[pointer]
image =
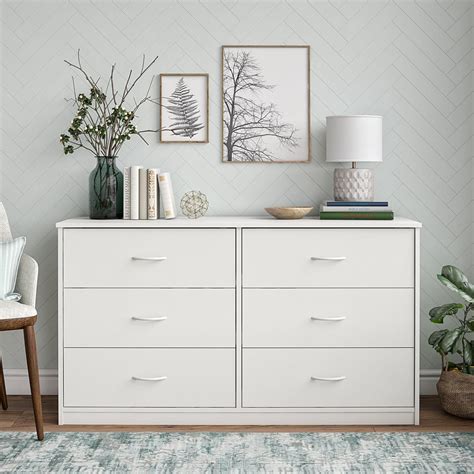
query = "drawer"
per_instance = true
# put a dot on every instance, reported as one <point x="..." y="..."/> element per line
<point x="171" y="257"/>
<point x="133" y="317"/>
<point x="328" y="317"/>
<point x="328" y="258"/>
<point x="283" y="378"/>
<point x="185" y="378"/>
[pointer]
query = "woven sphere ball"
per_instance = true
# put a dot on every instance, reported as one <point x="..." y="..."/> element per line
<point x="194" y="204"/>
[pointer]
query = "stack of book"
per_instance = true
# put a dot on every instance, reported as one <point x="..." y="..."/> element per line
<point x="142" y="189"/>
<point x="364" y="210"/>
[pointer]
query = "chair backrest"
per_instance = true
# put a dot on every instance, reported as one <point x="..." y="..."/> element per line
<point x="5" y="233"/>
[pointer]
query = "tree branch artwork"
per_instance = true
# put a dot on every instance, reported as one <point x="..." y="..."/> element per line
<point x="103" y="122"/>
<point x="251" y="125"/>
<point x="184" y="112"/>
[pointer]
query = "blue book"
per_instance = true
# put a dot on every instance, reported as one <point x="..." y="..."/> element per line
<point x="357" y="203"/>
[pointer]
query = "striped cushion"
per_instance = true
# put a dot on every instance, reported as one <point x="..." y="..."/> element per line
<point x="10" y="255"/>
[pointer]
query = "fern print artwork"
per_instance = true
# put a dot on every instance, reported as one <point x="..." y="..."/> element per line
<point x="265" y="106"/>
<point x="184" y="108"/>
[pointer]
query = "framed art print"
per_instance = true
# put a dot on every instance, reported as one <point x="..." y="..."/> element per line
<point x="266" y="104"/>
<point x="184" y="100"/>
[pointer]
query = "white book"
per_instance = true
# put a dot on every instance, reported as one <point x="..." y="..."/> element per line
<point x="167" y="196"/>
<point x="355" y="208"/>
<point x="143" y="193"/>
<point x="153" y="194"/>
<point x="126" y="192"/>
<point x="134" y="192"/>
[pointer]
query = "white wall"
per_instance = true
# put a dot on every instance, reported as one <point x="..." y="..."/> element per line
<point x="410" y="62"/>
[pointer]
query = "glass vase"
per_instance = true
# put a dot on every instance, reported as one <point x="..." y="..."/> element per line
<point x="106" y="190"/>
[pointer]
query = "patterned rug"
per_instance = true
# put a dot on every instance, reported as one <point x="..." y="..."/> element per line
<point x="238" y="452"/>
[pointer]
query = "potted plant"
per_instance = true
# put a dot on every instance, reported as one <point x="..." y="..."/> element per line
<point x="456" y="384"/>
<point x="101" y="125"/>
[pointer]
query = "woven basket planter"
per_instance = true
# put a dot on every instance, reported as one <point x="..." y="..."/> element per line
<point x="456" y="393"/>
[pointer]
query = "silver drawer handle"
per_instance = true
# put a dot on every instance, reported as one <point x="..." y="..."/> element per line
<point x="150" y="259"/>
<point x="328" y="379"/>
<point x="149" y="379"/>
<point x="139" y="318"/>
<point x="329" y="259"/>
<point x="317" y="318"/>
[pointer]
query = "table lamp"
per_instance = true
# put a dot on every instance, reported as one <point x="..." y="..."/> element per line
<point x="353" y="138"/>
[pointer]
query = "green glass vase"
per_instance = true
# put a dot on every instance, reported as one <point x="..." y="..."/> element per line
<point x="106" y="190"/>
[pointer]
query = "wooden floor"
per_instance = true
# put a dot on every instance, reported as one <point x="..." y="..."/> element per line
<point x="19" y="417"/>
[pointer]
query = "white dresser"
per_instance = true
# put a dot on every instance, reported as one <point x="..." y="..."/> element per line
<point x="231" y="320"/>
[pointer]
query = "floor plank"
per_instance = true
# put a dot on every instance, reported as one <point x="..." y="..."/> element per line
<point x="19" y="417"/>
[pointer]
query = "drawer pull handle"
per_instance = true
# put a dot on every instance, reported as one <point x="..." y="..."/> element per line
<point x="139" y="318"/>
<point x="329" y="259"/>
<point x="150" y="379"/>
<point x="317" y="318"/>
<point x="328" y="379"/>
<point x="150" y="259"/>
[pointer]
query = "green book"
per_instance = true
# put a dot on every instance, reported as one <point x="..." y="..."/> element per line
<point x="377" y="215"/>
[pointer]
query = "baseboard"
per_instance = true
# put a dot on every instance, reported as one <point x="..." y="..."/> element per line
<point x="428" y="379"/>
<point x="17" y="381"/>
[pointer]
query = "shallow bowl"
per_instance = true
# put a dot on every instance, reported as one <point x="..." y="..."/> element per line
<point x="288" y="212"/>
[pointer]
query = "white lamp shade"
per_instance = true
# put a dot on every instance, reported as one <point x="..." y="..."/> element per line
<point x="354" y="138"/>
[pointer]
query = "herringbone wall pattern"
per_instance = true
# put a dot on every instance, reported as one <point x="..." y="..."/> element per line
<point x="408" y="61"/>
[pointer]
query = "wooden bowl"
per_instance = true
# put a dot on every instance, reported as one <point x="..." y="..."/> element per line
<point x="288" y="212"/>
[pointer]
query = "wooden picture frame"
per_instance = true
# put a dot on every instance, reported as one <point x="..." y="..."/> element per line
<point x="279" y="102"/>
<point x="184" y="94"/>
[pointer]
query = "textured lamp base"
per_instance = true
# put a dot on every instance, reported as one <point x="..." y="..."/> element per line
<point x="353" y="184"/>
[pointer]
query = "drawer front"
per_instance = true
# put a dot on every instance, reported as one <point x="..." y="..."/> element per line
<point x="149" y="258"/>
<point x="283" y="378"/>
<point x="194" y="378"/>
<point x="328" y="317"/>
<point x="328" y="258"/>
<point x="133" y="317"/>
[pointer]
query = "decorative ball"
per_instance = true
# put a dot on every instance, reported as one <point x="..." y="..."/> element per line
<point x="194" y="204"/>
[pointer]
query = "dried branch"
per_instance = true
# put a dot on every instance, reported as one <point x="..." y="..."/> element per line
<point x="144" y="69"/>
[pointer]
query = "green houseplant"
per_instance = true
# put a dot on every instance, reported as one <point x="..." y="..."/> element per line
<point x="455" y="345"/>
<point x="102" y="124"/>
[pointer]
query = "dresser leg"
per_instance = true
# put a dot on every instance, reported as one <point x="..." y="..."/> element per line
<point x="33" y="374"/>
<point x="3" y="389"/>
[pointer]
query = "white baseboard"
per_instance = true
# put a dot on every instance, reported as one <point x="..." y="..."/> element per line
<point x="428" y="379"/>
<point x="17" y="382"/>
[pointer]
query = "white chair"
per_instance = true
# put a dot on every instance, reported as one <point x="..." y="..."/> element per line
<point x="22" y="315"/>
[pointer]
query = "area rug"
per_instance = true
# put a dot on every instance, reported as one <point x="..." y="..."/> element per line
<point x="237" y="452"/>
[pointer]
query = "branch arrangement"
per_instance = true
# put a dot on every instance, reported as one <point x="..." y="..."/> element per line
<point x="102" y="123"/>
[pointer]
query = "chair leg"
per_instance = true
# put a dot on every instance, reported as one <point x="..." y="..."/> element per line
<point x="33" y="374"/>
<point x="3" y="389"/>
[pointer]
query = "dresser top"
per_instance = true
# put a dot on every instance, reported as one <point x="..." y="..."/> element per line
<point x="237" y="222"/>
